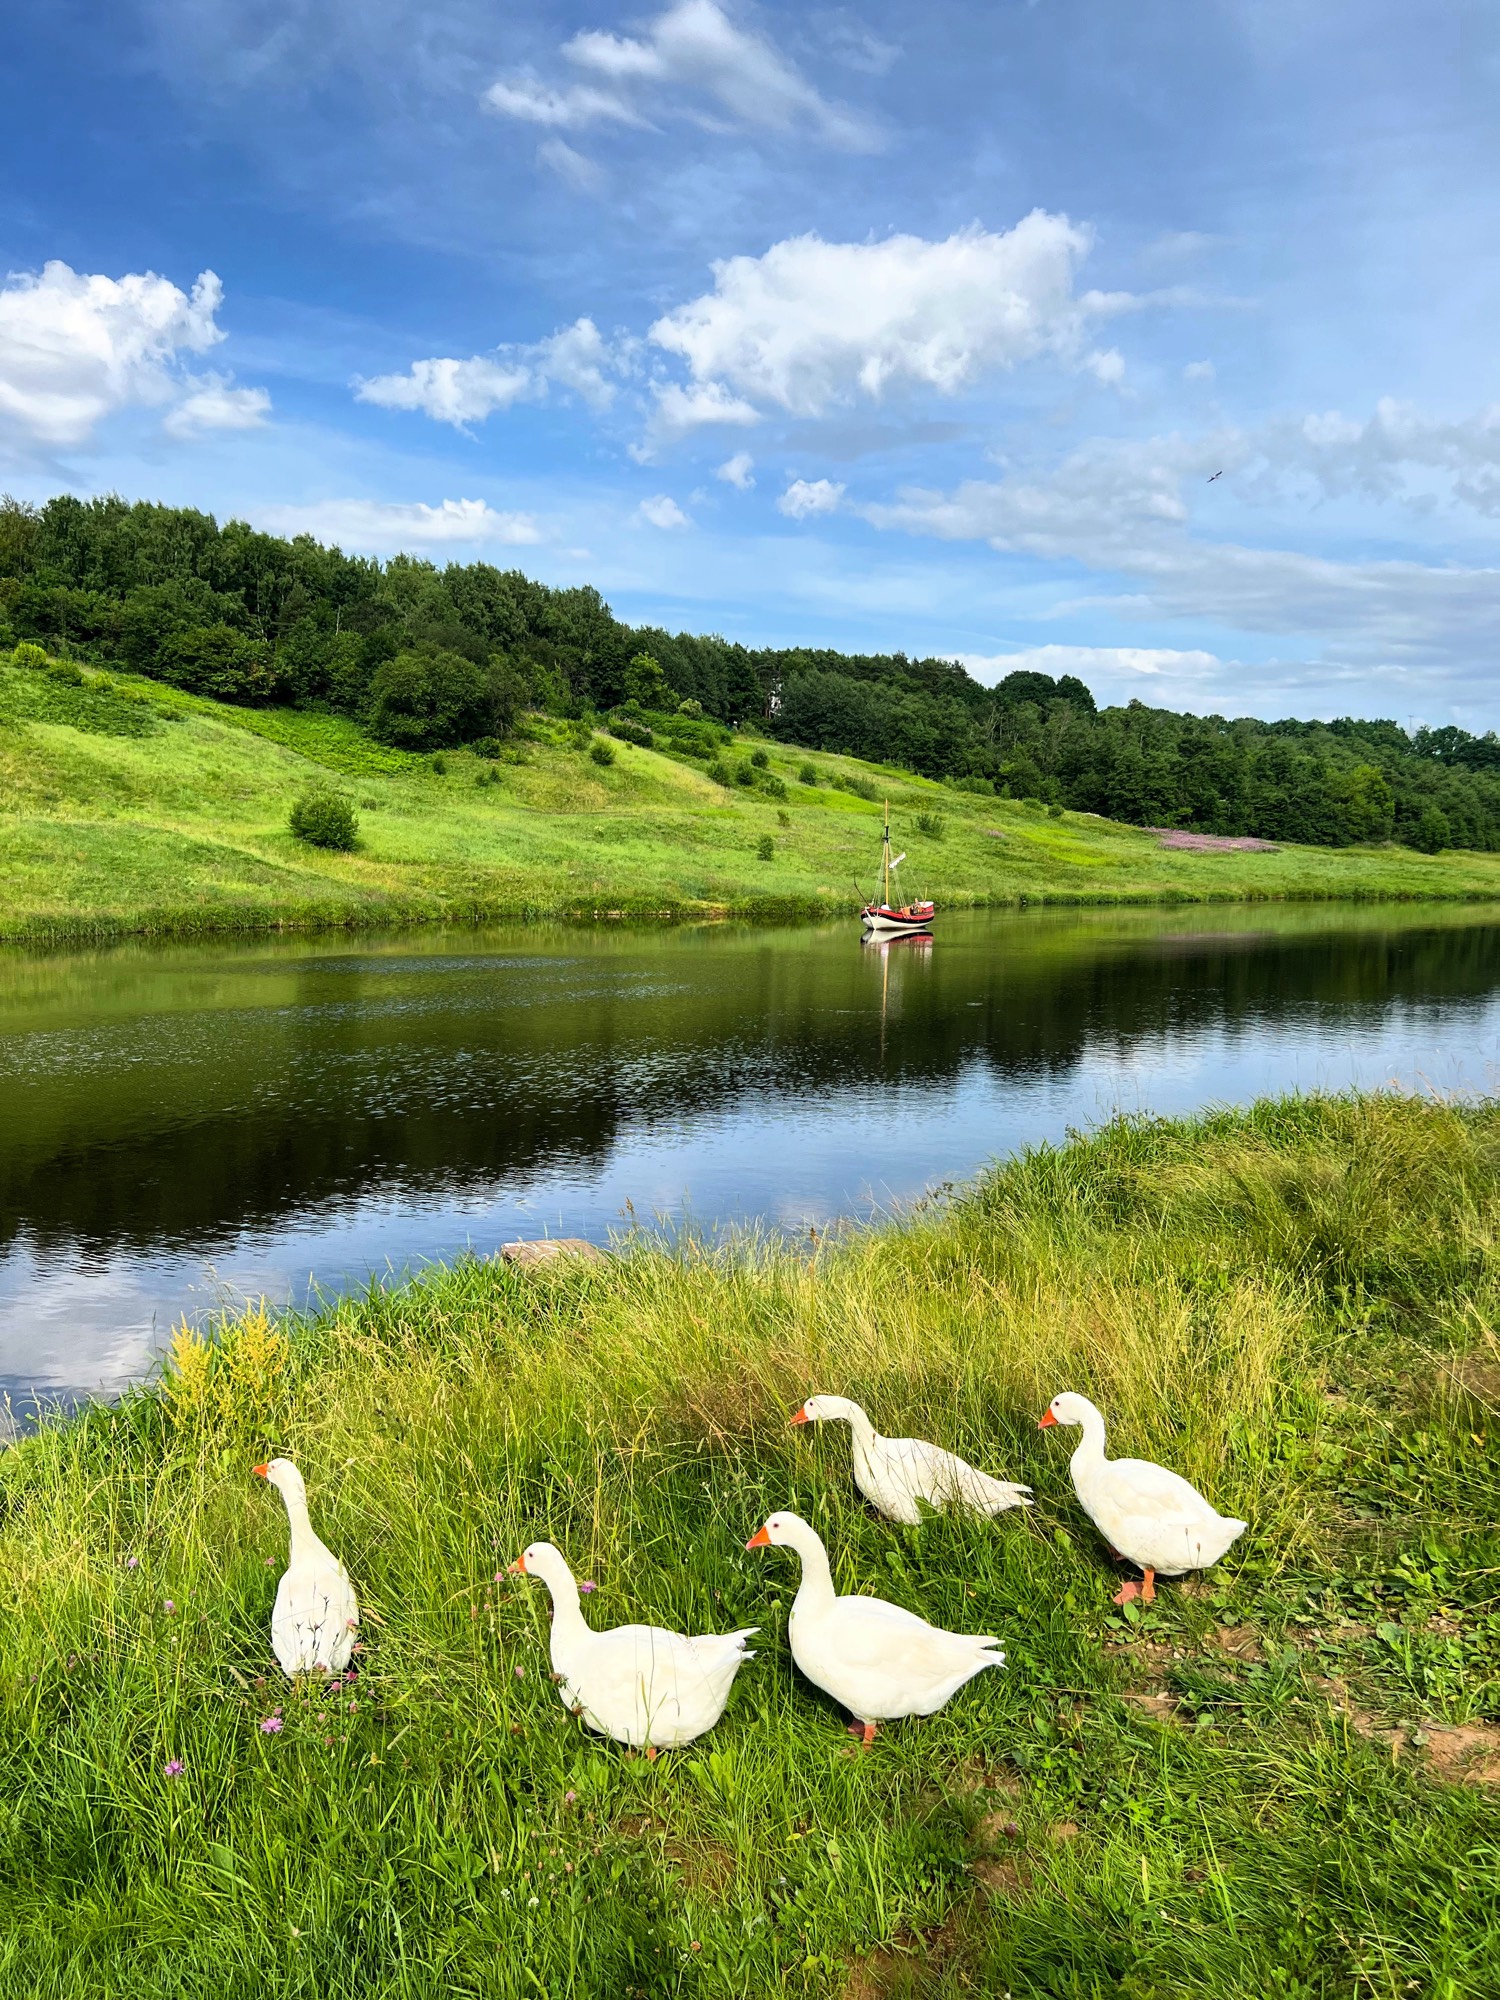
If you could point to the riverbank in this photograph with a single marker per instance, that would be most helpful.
(127, 808)
(1275, 1781)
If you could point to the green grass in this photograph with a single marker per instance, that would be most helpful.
(127, 806)
(1254, 1788)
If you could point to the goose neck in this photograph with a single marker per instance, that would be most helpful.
(304, 1541)
(1090, 1448)
(816, 1588)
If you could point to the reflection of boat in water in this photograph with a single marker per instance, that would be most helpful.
(886, 919)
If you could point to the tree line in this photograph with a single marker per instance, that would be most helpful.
(424, 656)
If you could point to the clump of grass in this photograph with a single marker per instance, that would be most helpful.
(1136, 1798)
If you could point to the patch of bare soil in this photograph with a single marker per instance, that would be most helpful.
(1001, 1875)
(1479, 1376)
(1467, 1755)
(1159, 1703)
(894, 1966)
(1239, 1642)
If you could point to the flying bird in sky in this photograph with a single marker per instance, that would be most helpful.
(1218, 475)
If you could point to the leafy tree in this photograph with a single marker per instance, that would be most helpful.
(425, 698)
(646, 683)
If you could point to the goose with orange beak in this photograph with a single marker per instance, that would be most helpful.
(876, 1659)
(315, 1620)
(640, 1684)
(1147, 1514)
(898, 1476)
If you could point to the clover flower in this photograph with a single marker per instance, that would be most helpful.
(173, 1768)
(272, 1726)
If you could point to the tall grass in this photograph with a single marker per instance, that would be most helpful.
(1295, 1305)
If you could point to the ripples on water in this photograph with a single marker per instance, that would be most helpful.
(185, 1125)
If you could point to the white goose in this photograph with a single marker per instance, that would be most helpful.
(640, 1684)
(878, 1660)
(315, 1619)
(894, 1474)
(1152, 1517)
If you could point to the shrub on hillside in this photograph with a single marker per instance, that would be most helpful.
(772, 786)
(324, 819)
(744, 772)
(932, 824)
(602, 752)
(720, 772)
(983, 787)
(68, 672)
(216, 660)
(765, 848)
(759, 759)
(28, 654)
(631, 732)
(808, 775)
(690, 708)
(427, 697)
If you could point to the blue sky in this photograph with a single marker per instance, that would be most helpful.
(862, 325)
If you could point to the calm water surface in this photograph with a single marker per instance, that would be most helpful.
(188, 1125)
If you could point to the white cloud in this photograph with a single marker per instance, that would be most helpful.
(1089, 663)
(385, 526)
(692, 61)
(576, 168)
(1198, 371)
(75, 348)
(661, 511)
(576, 358)
(680, 409)
(214, 404)
(1118, 508)
(1107, 366)
(810, 496)
(736, 471)
(810, 324)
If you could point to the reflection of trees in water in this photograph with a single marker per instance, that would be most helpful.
(419, 1087)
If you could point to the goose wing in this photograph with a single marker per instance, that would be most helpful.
(315, 1619)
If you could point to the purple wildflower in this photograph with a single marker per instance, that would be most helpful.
(169, 1607)
(174, 1768)
(587, 1587)
(570, 1798)
(132, 1562)
(272, 1726)
(520, 1673)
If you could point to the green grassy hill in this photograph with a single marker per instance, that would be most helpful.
(127, 806)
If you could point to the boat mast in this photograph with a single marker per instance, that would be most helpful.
(886, 857)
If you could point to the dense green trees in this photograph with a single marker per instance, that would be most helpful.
(428, 657)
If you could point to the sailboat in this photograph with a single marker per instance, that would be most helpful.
(885, 919)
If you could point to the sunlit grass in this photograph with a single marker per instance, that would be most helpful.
(184, 828)
(1296, 1305)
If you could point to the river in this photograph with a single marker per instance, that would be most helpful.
(185, 1126)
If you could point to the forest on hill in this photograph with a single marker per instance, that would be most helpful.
(424, 657)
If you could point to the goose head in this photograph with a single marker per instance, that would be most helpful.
(784, 1531)
(826, 1409)
(548, 1563)
(284, 1476)
(1067, 1409)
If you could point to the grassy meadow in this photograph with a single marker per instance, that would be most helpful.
(1278, 1780)
(126, 806)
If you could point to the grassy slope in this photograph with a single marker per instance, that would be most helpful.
(1255, 1788)
(184, 828)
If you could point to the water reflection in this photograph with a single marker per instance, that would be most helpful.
(275, 1110)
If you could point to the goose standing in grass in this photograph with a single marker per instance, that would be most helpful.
(316, 1616)
(896, 1474)
(877, 1659)
(1152, 1517)
(641, 1685)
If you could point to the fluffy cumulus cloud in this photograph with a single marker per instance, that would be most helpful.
(213, 403)
(576, 359)
(810, 496)
(662, 511)
(738, 471)
(75, 348)
(386, 527)
(812, 325)
(692, 61)
(689, 408)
